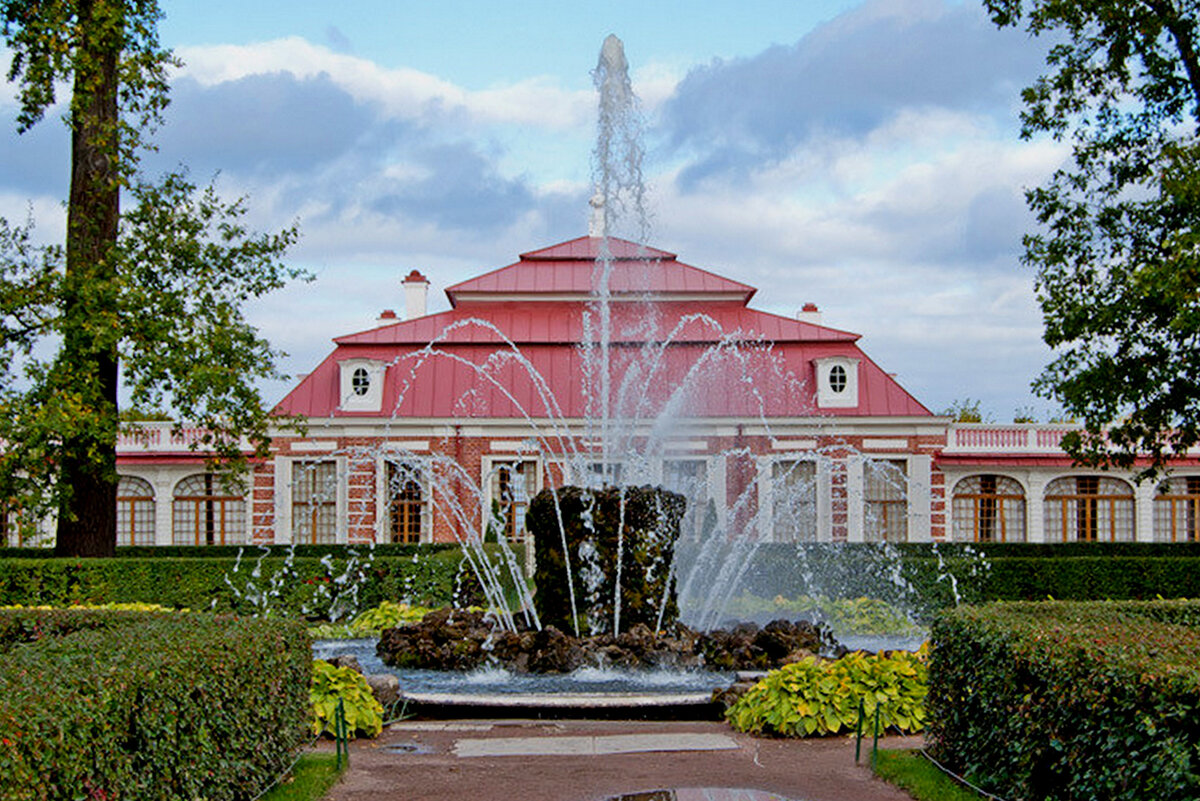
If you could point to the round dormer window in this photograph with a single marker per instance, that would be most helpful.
(837, 378)
(360, 381)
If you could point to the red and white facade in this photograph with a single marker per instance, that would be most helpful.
(419, 429)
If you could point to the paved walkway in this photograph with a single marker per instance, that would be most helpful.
(567, 760)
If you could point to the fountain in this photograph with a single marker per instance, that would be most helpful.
(621, 565)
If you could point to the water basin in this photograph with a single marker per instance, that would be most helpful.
(497, 681)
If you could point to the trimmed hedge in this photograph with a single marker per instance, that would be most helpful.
(988, 572)
(231, 551)
(139, 705)
(432, 578)
(1070, 701)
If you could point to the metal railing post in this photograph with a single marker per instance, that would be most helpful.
(858, 731)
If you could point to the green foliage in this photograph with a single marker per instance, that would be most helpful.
(965, 411)
(920, 778)
(329, 685)
(1025, 414)
(866, 616)
(980, 572)
(152, 298)
(132, 705)
(200, 582)
(815, 697)
(186, 267)
(372, 621)
(1070, 701)
(1116, 252)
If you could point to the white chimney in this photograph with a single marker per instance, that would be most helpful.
(386, 317)
(416, 288)
(809, 314)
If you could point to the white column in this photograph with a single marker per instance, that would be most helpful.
(164, 503)
(824, 490)
(854, 499)
(1034, 506)
(1143, 511)
(920, 468)
(283, 500)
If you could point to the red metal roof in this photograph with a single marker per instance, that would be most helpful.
(465, 380)
(573, 269)
(564, 322)
(459, 363)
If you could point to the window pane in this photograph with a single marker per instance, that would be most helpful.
(206, 513)
(885, 506)
(406, 503)
(314, 502)
(794, 501)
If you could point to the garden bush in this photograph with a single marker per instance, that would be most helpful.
(818, 697)
(858, 616)
(132, 705)
(1070, 701)
(369, 623)
(364, 714)
(925, 578)
(302, 585)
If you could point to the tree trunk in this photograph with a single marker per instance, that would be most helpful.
(87, 522)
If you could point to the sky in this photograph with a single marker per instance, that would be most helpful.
(863, 156)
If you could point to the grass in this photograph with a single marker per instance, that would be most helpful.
(313, 776)
(920, 778)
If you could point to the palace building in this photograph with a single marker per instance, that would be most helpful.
(422, 428)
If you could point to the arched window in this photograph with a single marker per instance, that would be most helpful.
(205, 512)
(988, 508)
(406, 503)
(1089, 509)
(1177, 510)
(885, 501)
(135, 511)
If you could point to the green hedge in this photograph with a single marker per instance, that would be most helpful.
(1070, 701)
(918, 575)
(135, 705)
(231, 551)
(306, 586)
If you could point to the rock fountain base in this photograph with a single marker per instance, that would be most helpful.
(462, 640)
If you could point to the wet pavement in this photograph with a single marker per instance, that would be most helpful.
(588, 760)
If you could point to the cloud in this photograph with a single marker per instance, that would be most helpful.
(844, 79)
(261, 123)
(401, 92)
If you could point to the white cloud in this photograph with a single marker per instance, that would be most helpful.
(402, 92)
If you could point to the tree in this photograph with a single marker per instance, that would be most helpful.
(965, 411)
(1118, 249)
(154, 297)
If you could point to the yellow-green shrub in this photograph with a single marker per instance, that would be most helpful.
(817, 697)
(363, 713)
(372, 621)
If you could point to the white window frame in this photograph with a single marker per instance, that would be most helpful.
(826, 397)
(383, 501)
(823, 489)
(491, 463)
(283, 496)
(372, 399)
